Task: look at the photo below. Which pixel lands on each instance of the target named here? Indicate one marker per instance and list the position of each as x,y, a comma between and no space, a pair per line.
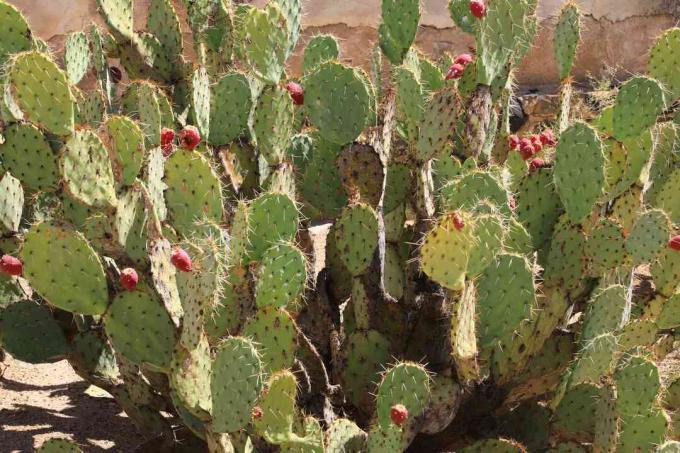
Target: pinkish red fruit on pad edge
398,414
167,149
478,8
537,163
536,141
458,221
129,278
181,260
513,142
257,412
548,138
464,59
526,149
167,136
11,266
674,243
455,71
189,138
297,93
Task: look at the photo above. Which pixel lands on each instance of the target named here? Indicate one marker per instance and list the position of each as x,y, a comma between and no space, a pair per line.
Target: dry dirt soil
39,402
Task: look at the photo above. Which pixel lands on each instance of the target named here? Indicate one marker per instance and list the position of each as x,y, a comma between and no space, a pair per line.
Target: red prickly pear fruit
167,136
536,163
398,414
297,93
548,138
167,149
455,71
674,243
11,266
478,8
257,412
512,203
129,278
536,141
189,138
526,149
513,142
181,260
463,59
458,221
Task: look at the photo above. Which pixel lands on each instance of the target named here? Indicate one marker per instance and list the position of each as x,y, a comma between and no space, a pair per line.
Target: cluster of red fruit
458,67
529,146
189,138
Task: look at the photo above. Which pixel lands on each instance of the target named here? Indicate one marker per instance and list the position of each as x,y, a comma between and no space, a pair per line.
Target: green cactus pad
436,124
567,36
11,203
338,102
594,360
669,318
274,334
356,235
607,422
34,77
405,383
579,170
118,14
366,354
190,377
200,100
281,277
203,201
488,233
639,102
235,383
626,162
236,301
538,205
606,246
92,354
397,186
16,36
446,251
28,155
86,169
155,173
398,28
30,333
664,57
81,283
273,217
469,189
640,332
666,271
321,185
637,382
272,123
76,56
266,41
502,32
362,173
90,108
126,142
277,405
649,236
227,124
320,49
642,432
627,208
574,417
462,17
164,24
565,263
164,275
505,298
605,313
59,446
344,436
141,329
668,197
394,272
666,157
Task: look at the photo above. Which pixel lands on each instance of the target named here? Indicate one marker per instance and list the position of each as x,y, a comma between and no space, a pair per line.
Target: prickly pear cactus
336,261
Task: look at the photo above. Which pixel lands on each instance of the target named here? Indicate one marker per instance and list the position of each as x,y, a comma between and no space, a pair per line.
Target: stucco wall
616,32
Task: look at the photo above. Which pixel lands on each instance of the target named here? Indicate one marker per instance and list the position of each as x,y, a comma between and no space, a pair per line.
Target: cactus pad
234,389
467,190
648,236
437,122
27,154
567,36
16,36
594,360
446,250
272,123
538,205
663,58
405,383
338,102
666,271
278,408
356,236
141,329
30,333
86,169
366,354
76,56
126,142
81,283
639,102
193,191
274,334
579,170
281,277
228,123
362,173
272,218
190,377
321,185
605,313
344,436
266,41
118,14
398,28
494,446
34,78
606,246
574,417
59,446
320,49
11,203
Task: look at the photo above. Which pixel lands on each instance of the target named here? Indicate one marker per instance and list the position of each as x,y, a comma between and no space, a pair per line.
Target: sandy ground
39,402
